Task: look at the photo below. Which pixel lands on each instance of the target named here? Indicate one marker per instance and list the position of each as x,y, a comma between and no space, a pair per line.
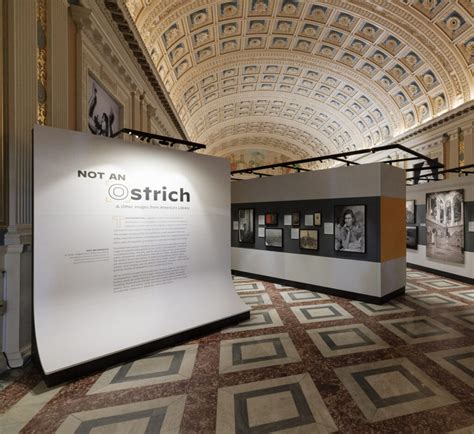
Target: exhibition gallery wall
440,227
337,230
119,231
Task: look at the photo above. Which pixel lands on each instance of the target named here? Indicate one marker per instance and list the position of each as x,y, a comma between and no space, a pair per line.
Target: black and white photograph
349,228
246,226
102,110
295,219
273,237
412,237
410,212
309,239
445,226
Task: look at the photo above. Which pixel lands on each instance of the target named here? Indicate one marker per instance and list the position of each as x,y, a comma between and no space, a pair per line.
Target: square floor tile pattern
259,319
276,405
154,416
162,367
392,388
420,329
346,339
462,317
467,295
256,352
302,296
320,313
443,284
256,299
457,361
381,309
435,301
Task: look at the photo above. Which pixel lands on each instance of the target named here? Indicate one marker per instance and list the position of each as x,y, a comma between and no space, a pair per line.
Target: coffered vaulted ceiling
307,78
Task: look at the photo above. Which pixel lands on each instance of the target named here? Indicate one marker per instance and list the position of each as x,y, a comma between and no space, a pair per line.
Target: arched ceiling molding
309,142
388,16
322,71
325,126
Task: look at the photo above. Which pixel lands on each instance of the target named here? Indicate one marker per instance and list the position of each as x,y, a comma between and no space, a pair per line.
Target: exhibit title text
122,192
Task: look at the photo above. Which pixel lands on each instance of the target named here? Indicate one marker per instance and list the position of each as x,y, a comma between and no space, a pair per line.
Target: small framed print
309,239
410,212
317,219
271,219
246,226
295,219
308,220
273,237
287,219
261,220
261,232
295,233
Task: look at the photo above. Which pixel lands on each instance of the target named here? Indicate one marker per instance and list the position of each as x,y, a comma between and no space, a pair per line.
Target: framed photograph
295,219
309,239
271,218
273,237
246,226
412,237
410,212
261,232
287,220
295,233
445,226
261,220
349,228
317,219
102,110
308,220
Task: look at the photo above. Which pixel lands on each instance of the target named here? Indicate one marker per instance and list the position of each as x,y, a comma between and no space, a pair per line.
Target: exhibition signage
131,245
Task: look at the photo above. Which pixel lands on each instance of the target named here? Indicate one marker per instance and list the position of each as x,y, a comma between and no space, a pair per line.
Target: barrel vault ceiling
264,81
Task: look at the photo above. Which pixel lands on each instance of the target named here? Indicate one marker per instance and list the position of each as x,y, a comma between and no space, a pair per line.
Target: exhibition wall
299,231
120,230
450,246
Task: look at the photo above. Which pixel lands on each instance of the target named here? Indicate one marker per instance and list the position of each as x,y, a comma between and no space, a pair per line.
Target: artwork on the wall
246,226
412,237
309,239
317,219
349,228
287,219
261,232
295,219
410,212
102,110
295,233
261,220
273,237
271,218
445,226
308,220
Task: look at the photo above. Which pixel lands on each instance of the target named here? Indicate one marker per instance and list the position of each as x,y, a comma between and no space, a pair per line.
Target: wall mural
102,110
445,226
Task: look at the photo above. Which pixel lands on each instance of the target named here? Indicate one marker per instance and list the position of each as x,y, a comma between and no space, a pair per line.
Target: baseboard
442,273
323,289
134,353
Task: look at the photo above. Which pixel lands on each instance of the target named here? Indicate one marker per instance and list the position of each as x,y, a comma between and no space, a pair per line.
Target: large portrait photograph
445,226
246,226
410,212
102,110
349,228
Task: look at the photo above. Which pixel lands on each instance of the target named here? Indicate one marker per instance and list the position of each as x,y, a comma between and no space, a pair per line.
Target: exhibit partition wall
444,224
131,246
340,231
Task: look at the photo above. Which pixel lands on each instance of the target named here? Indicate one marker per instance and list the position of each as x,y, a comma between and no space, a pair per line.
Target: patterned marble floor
304,363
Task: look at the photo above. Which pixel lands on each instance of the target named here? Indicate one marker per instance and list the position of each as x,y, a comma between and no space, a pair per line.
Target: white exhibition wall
376,278
418,257
131,245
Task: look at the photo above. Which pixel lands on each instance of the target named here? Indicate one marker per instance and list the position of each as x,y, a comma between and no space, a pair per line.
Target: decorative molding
42,58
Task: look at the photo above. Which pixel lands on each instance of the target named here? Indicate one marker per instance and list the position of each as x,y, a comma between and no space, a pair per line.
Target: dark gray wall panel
326,242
